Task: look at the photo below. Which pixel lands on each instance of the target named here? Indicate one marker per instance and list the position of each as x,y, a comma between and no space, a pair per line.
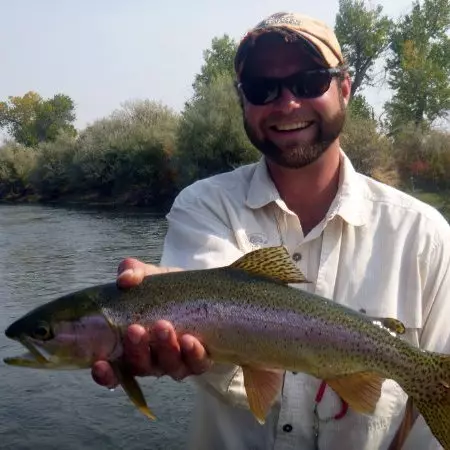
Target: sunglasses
305,84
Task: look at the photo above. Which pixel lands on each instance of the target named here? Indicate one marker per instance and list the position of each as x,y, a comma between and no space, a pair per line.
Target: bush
52,177
424,156
211,137
129,153
17,162
370,151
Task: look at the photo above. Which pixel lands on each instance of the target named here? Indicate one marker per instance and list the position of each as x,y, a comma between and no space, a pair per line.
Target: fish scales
234,310
244,314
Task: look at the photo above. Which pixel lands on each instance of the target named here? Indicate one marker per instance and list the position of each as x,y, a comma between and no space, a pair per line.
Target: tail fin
434,402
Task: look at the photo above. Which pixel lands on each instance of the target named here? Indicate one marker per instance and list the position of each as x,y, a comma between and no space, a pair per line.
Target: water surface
47,251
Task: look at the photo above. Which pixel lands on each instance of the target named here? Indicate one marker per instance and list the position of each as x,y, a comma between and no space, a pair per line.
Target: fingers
166,350
132,271
161,353
103,374
137,352
194,355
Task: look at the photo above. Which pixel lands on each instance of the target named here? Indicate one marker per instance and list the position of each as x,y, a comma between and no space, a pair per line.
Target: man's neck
309,191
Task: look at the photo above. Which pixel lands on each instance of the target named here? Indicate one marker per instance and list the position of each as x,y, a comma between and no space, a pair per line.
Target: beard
299,154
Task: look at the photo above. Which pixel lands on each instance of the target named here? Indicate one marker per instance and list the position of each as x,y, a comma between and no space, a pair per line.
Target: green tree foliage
211,137
360,108
364,34
370,151
31,120
218,60
53,176
420,66
128,155
17,163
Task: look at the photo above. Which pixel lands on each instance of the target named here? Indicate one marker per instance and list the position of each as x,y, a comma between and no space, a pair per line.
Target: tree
31,119
211,136
360,108
420,66
219,59
364,35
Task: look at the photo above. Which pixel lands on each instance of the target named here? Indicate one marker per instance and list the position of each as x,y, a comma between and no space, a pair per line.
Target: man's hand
157,352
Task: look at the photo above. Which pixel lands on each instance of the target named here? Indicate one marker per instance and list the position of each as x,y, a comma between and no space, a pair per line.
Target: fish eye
42,331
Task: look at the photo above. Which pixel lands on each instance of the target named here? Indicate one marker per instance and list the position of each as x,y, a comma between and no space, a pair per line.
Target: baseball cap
316,35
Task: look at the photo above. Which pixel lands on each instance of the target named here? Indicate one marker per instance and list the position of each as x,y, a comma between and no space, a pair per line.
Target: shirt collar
350,202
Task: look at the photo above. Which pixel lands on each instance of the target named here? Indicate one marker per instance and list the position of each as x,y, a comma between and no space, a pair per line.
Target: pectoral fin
133,390
360,390
262,388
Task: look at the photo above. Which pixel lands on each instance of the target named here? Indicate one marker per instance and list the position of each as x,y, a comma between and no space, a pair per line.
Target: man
362,244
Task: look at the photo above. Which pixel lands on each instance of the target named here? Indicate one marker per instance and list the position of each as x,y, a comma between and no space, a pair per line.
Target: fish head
67,333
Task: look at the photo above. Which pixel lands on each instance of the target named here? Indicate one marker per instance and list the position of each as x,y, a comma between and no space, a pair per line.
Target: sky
103,53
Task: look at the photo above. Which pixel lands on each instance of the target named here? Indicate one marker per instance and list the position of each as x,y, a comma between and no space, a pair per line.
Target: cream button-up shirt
377,250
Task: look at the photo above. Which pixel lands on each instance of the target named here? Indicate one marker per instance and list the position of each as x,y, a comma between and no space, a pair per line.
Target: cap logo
281,19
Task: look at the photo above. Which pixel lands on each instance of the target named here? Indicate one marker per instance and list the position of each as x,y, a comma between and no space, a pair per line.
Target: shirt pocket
367,431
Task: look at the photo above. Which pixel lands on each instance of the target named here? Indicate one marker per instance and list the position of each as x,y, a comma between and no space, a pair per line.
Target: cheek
255,116
327,106
88,339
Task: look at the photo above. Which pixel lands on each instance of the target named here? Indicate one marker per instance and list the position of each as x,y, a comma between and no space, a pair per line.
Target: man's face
292,132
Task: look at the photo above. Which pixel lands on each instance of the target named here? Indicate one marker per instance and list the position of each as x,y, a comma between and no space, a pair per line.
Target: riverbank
124,201
439,199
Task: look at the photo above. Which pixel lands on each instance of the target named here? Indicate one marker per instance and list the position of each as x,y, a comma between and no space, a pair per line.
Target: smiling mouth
294,126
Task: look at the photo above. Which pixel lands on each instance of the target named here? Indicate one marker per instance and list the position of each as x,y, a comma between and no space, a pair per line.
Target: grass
440,200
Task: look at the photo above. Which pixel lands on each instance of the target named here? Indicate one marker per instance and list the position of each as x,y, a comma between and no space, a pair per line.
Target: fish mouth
34,357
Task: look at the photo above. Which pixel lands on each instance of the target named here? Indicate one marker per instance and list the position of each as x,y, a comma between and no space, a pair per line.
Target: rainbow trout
245,314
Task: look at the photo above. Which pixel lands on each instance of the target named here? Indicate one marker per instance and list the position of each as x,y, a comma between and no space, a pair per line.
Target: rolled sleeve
435,334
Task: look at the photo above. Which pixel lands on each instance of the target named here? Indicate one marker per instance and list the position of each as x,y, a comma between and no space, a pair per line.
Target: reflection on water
48,251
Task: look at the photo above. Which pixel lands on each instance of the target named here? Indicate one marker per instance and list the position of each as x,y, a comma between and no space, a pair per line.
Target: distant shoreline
438,199
87,201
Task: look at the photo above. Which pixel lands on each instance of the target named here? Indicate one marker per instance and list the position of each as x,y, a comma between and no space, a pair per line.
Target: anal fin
262,387
360,390
133,390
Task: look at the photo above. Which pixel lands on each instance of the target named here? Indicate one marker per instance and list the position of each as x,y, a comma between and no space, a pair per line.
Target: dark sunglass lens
311,84
260,91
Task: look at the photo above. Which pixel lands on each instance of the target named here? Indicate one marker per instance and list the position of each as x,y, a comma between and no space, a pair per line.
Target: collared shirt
377,250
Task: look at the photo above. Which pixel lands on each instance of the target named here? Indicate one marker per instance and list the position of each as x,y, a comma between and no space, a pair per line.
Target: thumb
132,271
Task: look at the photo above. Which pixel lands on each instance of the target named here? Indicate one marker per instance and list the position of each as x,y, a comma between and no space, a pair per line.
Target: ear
346,88
239,93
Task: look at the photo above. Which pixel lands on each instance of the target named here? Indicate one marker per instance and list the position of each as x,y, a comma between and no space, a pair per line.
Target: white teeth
292,126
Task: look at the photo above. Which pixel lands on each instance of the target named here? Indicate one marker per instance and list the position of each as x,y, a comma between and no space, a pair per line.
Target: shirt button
297,257
287,427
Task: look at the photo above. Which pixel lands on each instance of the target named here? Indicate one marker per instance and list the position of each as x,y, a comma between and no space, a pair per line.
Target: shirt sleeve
435,333
198,238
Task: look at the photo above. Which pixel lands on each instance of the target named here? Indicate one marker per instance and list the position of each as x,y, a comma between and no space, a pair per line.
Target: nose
287,101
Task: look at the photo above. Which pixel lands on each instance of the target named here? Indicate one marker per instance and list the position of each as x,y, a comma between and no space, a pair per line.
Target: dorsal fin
272,262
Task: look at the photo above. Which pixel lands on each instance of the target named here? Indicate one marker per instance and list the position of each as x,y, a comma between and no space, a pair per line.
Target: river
47,251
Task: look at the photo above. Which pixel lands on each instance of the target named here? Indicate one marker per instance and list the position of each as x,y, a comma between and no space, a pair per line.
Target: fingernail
135,338
163,334
187,345
126,273
100,371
